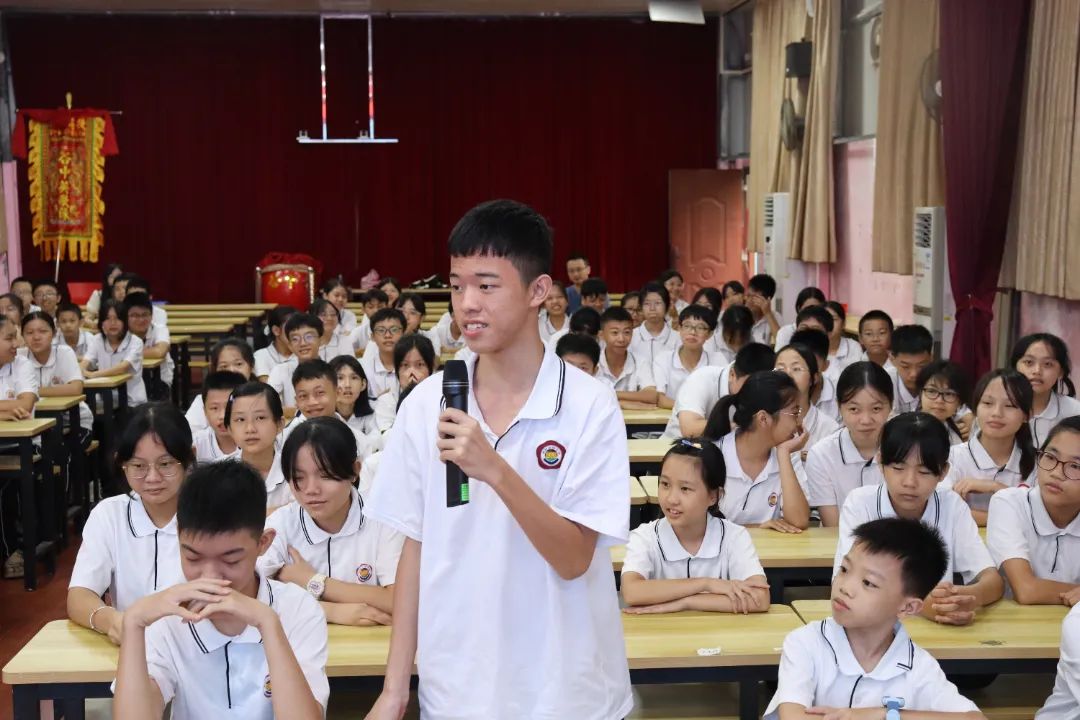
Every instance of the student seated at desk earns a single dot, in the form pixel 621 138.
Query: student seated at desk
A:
pixel 736 322
pixel 278 351
pixel 55 366
pixel 586 321
pixel 631 303
pixel 944 392
pixel 580 351
pixel 116 351
pixel 18 395
pixel 732 293
pixel 875 336
pixel 323 542
pixel 129 547
pixel 823 394
pixel 414 360
pixel 229 641
pixel 654 336
pixel 304 332
pixel 448 333
pixel 23 287
pixel 353 403
pixel 414 309
pixel 861 660
pixel 672 367
pixel 374 300
pixel 11 307
pixel 764 486
pixel 69 320
pixel 843 351
pixel 155 338
pixel 848 459
pixel 392 289
pixel 760 291
pixel 331 343
pixel 214 442
pixel 1000 454
pixel 387 326
pixel 255 418
pixel 1044 360
pixel 228 355
pixel 807 297
pixel 337 294
pixel 673 282
pixel 692 558
pixel 594 294
pixel 911 349
pixel 630 373
pixel 1034 532
pixel 47 296
pixel 138 284
pixel 112 272
pixel 800 363
pixel 315 386
pixel 554 322
pixel 914 458
pixel 705 386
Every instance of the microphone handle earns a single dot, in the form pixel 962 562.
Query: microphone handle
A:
pixel 457 483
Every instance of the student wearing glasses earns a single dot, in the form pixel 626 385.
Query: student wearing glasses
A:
pixel 670 369
pixel 387 327
pixel 304 332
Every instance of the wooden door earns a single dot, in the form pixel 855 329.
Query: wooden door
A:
pixel 707 227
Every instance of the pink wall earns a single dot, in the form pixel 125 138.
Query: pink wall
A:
pixel 853 282
pixel 1042 313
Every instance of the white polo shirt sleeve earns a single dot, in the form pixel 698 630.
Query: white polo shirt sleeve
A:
pixel 850 518
pixel 643 374
pixel 820 488
pixel 161 662
pixel 698 392
pixel 969 554
pixel 1005 537
pixel 279 377
pixel 595 492
pixel 95 562
pixel 67 366
pixel 308 637
pixel 797 677
pixel 639 557
pixel 933 689
pixel 134 354
pixel 277 554
pixel 743 559
pixel 93 350
pixel 387 552
pixel 1064 702
pixel 661 368
pixel 263 363
pixel 24 378
pixel 398 492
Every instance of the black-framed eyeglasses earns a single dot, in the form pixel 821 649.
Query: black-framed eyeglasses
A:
pixel 933 393
pixel 1049 462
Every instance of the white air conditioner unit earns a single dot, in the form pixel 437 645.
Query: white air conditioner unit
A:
pixel 790 275
pixel 934 307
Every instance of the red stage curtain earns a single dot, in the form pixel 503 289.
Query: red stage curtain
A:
pixel 982 56
pixel 580 118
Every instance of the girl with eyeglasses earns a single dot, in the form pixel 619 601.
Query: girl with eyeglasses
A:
pixel 944 390
pixel 129 543
pixel 671 368
pixel 332 342
pixel 799 362
pixel 1034 532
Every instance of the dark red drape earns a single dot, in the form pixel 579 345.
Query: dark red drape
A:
pixel 982 56
pixel 581 118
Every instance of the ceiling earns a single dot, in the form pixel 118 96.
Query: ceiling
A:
pixel 456 7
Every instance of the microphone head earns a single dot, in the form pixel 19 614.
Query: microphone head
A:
pixel 455 376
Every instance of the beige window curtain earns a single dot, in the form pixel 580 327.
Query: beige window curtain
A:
pixel 1043 249
pixel 908 169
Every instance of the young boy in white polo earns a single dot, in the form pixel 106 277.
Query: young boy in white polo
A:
pixel 507 603
pixel 228 642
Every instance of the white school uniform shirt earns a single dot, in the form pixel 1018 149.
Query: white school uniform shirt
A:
pixel 61 368
pixel 159 316
pixel 266 359
pixel 346 321
pixel 196 415
pixel 1059 408
pixel 130 349
pixel 903 400
pixel 834 468
pixel 548 329
pixel 701 390
pixel 847 353
pixel 637 373
pixel 566 657
pixel 827 402
pixel 80 345
pixel 206 445
pixel 363 442
pixel 945 511
pixel 669 372
pixel 124 553
pixel 278 490
pixel 18 377
pixel 760 331
pixel 751 501
pixel 1064 701
pixel 819 668
pixel 970 460
pixel 446 340
pixel 207 674
pixel 727 552
pixel 553 342
pixel 783 335
pixel 386 409
pixel 160 334
pixel 339 345
pixel 818 426
pixel 281 380
pixel 380 379
pixel 863 357
pixel 432 334
pixel 368 470
pixel 648 347
pixel 361 335
pixel 363 552
pixel 716 345
pixel 1020 527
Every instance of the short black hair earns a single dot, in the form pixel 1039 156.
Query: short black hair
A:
pixel 236 344
pixel 815 340
pixel 15 300
pixel 362 404
pixel 734 286
pixel 920 432
pixel 668 274
pixel 736 323
pixel 278 316
pixel 764 284
pixel 578 344
pixel 299 320
pixel 46 282
pixel 919 548
pixel 221 380
pixel 137 299
pixel 819 313
pixel 699 312
pixel 577 256
pixel 332 443
pixel 68 307
pixel 162 420
pixel 912 340
pixel 955 377
pixel 657 289
pixel 22 278
pixel 713 297
pixel 314 370
pixel 614 315
pixel 389 281
pixel 415 299
pixel 116 306
pixel 876 315
pixel 1058 349
pixel 1069 424
pixel 222 497
pixel 808 293
pixel 864 374
pixel 375 294
pixel 837 308
pixel 594 287
pixel 251 389
pixel 505 229
pixel 585 320
pixel 37 315
pixel 135 280
pixel 384 314
pixel 421 344
pixel 631 295
pixel 320 305
pixel 752 358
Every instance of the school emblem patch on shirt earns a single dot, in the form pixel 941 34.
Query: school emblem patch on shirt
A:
pixel 266 687
pixel 364 573
pixel 549 455
pixel 773 499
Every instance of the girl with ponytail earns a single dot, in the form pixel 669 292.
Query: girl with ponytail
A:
pixel 764 485
pixel 692 558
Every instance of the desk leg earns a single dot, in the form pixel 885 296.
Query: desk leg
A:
pixel 52 487
pixel 108 428
pixel 29 513
pixel 26 700
pixel 185 374
pixel 72 708
pixel 748 699
pixel 77 490
pixel 122 406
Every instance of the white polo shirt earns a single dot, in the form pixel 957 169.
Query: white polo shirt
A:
pixel 124 553
pixel 727 552
pixel 716 345
pixel 698 394
pixel 18 377
pixel 361 335
pixel 1064 701
pixel 670 373
pixel 636 373
pixel 751 501
pixel 196 415
pixel 339 345
pixel 278 490
pixel 834 467
pixel 818 426
pixel 205 673
pixel 386 409
pixel 61 368
pixel 363 552
pixel 548 329
pixel 819 668
pixel 649 347
pixel 380 379
pixel 368 471
pixel 160 334
pixel 1019 527
pixel 281 380
pixel 346 320
pixel 80 346
pixel 760 332
pixel 971 460
pixel 363 442
pixel 827 402
pixel 1059 408
pixel 130 350
pixel 783 335
pixel 863 357
pixel 266 359
pixel 944 511
pixel 446 340
pixel 903 400
pixel 565 657
pixel 206 445
pixel 847 353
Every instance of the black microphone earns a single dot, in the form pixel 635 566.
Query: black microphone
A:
pixel 455 388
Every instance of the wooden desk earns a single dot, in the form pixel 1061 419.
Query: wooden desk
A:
pixel 101 388
pixel 646 420
pixel 645 455
pixel 70 456
pixel 253 307
pixel 638 495
pixel 22 434
pixel 1005 638
pixel 180 351
pixel 651 485
pixel 797 556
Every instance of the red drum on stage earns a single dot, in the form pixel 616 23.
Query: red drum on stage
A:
pixel 286 280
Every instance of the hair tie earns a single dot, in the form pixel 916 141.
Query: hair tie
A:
pixel 690 443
